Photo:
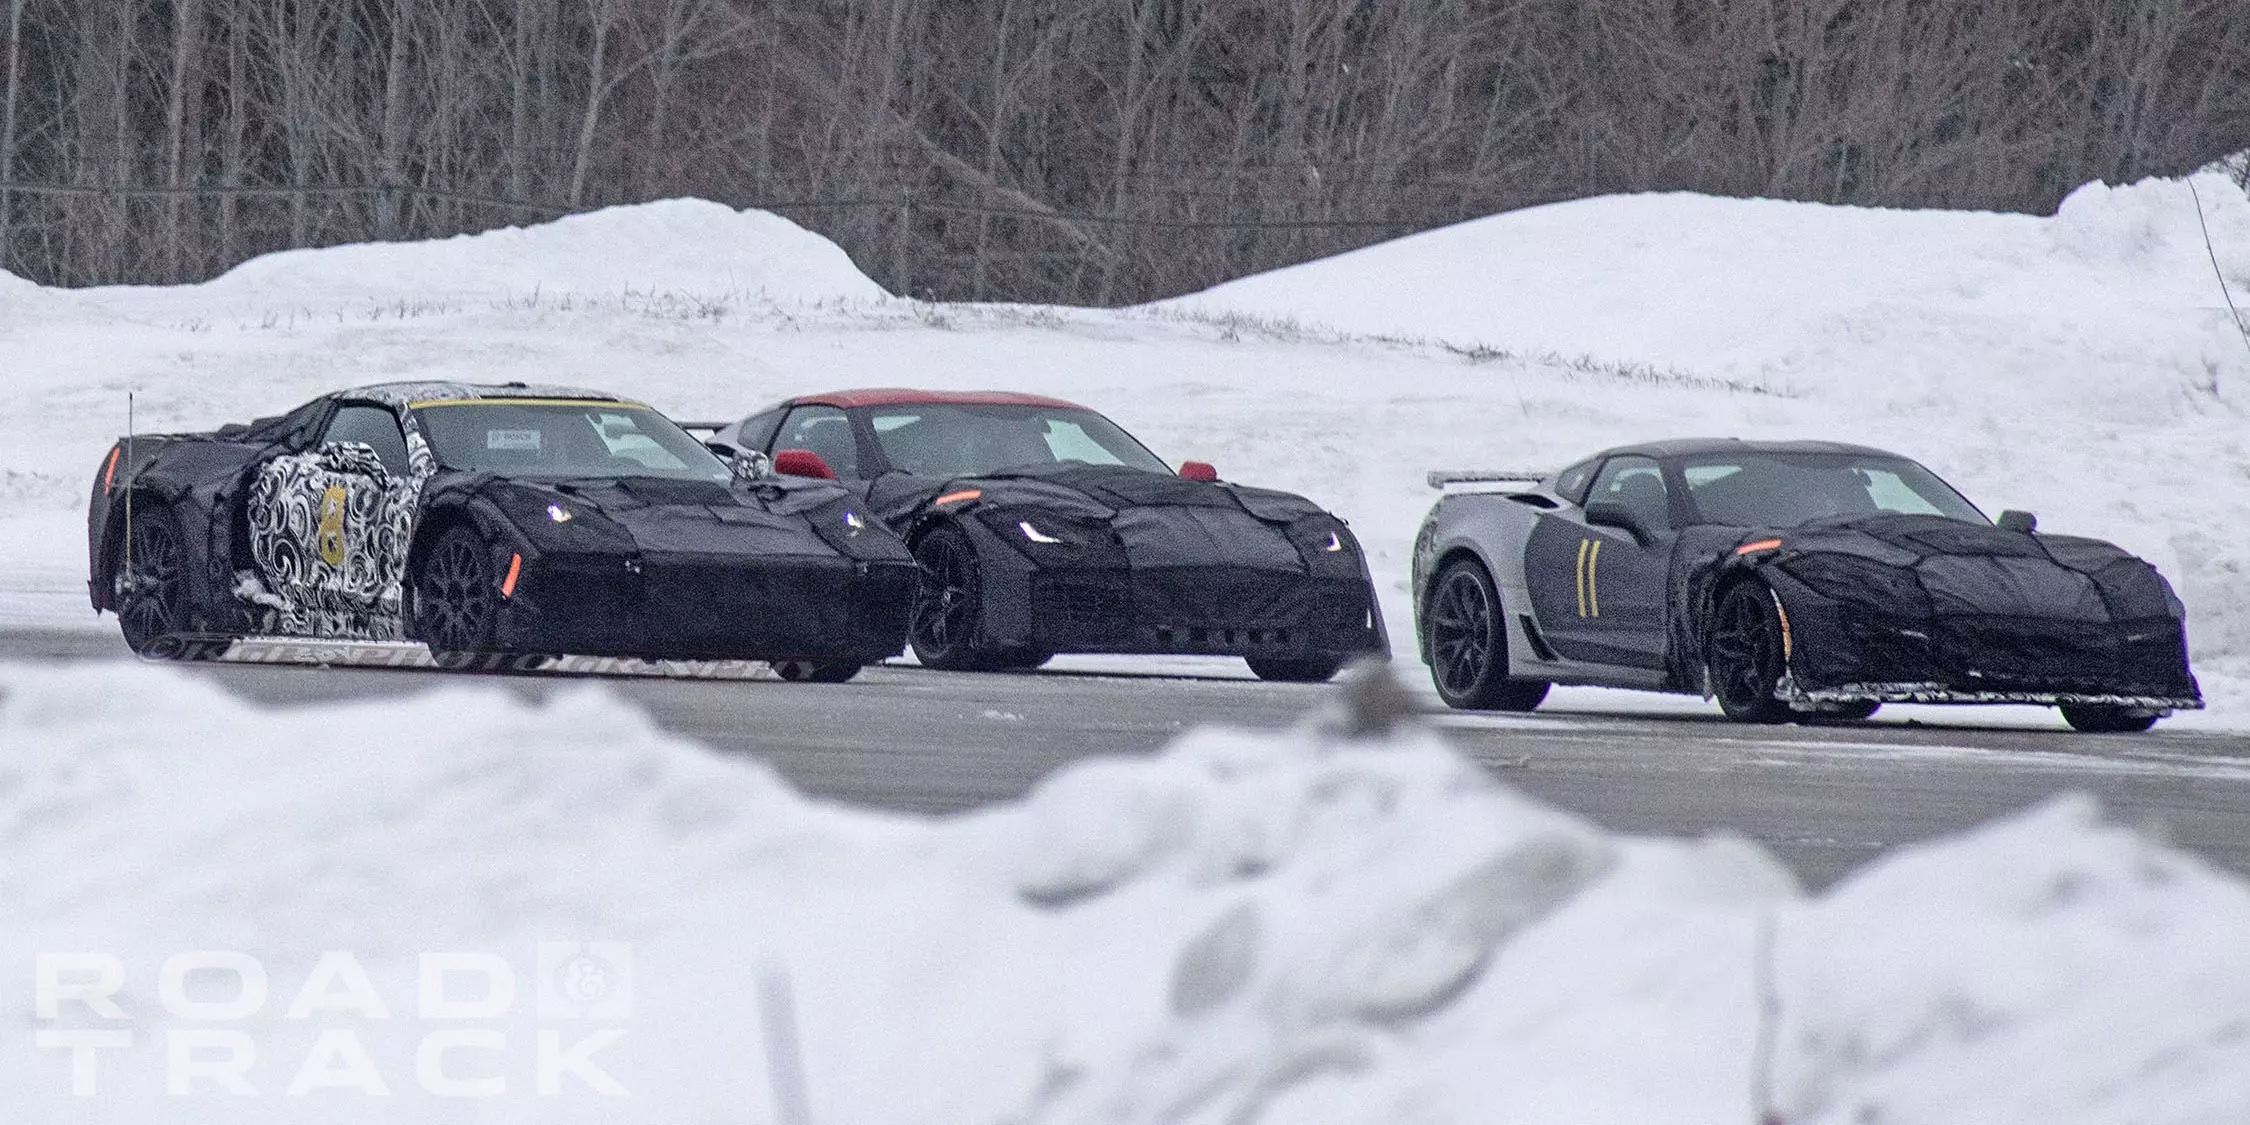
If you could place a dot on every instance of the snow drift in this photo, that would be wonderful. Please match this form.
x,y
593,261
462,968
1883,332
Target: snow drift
x,y
2112,297
1247,928
686,245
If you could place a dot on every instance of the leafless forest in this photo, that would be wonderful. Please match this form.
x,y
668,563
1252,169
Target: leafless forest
x,y
1088,151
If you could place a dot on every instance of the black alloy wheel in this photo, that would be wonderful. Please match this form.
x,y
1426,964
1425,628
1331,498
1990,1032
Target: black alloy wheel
x,y
1745,655
1467,643
949,606
150,591
457,598
2104,718
817,671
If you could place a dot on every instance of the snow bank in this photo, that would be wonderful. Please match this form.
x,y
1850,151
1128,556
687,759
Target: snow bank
x,y
1274,928
677,246
2111,297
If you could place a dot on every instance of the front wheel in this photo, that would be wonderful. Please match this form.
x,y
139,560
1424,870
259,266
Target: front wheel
x,y
1467,644
1295,669
457,599
817,671
949,607
150,588
2104,718
1745,655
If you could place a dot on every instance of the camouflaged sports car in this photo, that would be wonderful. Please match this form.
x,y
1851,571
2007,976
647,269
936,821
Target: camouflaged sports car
x,y
1788,579
489,519
1042,527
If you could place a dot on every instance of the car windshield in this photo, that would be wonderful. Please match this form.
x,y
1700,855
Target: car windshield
x,y
956,440
565,439
1782,490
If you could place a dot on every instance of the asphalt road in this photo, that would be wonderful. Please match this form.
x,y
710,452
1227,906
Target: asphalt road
x,y
1825,799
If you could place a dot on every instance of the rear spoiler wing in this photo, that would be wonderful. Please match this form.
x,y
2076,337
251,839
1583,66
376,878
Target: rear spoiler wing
x,y
703,427
1445,478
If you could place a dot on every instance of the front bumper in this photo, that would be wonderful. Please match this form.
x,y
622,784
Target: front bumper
x,y
1218,611
1845,656
1789,692
711,607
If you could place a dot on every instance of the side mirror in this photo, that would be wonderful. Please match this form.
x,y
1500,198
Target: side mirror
x,y
1198,470
1610,513
356,458
2018,521
802,463
725,451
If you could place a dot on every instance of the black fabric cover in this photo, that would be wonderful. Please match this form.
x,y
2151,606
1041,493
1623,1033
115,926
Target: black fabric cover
x,y
1151,562
687,569
1976,609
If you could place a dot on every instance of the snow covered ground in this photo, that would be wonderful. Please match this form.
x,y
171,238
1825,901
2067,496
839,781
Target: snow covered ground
x,y
2080,366
1280,928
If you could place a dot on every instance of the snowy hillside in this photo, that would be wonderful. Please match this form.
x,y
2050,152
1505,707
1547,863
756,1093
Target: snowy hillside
x,y
1282,928
2079,366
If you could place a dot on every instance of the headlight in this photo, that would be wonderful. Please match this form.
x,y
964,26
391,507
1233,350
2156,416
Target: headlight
x,y
1044,534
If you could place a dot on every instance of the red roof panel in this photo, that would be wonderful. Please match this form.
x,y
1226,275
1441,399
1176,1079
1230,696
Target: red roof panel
x,y
902,396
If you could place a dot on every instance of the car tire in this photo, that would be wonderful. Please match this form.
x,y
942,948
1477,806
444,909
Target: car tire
x,y
1465,640
1295,669
151,595
457,600
1744,655
949,605
1018,660
2104,718
817,671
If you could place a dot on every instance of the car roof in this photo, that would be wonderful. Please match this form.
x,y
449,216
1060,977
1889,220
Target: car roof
x,y
906,396
401,395
1689,447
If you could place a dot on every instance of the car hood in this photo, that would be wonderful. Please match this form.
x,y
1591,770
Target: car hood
x,y
661,516
1159,519
1944,566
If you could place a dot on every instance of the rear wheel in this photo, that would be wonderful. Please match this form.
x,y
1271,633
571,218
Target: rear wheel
x,y
949,607
817,671
1745,655
1018,660
150,592
457,599
2104,718
1296,669
1467,643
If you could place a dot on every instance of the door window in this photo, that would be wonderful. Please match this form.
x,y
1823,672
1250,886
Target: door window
x,y
1638,484
375,426
824,430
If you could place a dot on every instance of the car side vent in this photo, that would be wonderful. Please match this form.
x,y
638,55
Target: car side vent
x,y
1539,646
1533,500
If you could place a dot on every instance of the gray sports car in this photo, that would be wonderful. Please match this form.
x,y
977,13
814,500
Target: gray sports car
x,y
1787,579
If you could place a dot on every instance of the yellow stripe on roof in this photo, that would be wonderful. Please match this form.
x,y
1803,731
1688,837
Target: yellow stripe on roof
x,y
603,402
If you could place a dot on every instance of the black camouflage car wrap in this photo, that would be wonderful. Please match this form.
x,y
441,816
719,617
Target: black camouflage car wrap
x,y
1150,564
286,534
1909,608
1079,557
